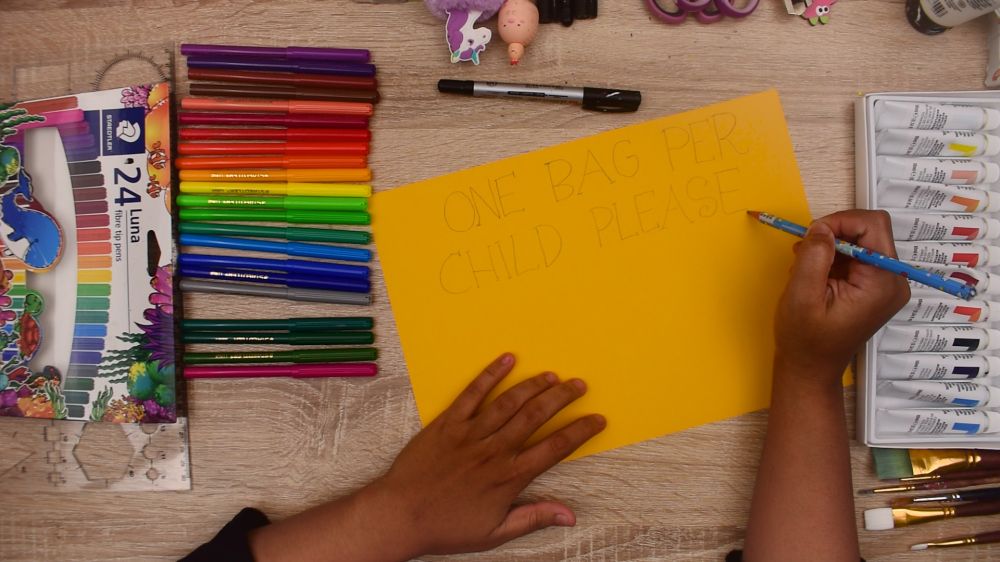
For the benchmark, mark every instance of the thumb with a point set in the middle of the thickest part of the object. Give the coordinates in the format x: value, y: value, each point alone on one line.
x: 526, y: 519
x: 813, y: 260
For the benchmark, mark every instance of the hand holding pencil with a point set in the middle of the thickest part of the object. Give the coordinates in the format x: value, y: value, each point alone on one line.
x: 832, y: 303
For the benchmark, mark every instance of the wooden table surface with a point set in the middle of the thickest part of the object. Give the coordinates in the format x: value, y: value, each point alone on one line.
x: 282, y: 446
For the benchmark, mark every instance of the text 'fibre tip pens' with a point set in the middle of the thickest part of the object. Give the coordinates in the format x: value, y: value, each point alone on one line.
x: 881, y: 261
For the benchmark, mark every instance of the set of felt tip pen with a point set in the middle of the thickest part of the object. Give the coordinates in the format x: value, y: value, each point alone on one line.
x: 308, y: 363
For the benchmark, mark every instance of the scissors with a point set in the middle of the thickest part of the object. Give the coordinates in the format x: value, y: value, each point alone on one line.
x: 705, y: 11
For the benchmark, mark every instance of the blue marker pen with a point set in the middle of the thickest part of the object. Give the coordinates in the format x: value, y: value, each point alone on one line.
x: 302, y: 267
x: 881, y: 261
x: 329, y: 283
x: 300, y: 249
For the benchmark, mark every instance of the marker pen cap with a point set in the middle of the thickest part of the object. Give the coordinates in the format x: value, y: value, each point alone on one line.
x: 992, y: 172
x: 992, y: 200
x: 992, y: 118
x: 992, y: 256
x: 992, y: 147
x: 994, y: 337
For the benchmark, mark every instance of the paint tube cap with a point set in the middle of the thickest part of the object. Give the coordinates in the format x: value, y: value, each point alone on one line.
x: 992, y: 200
x: 992, y: 225
x: 992, y: 119
x: 994, y: 337
x: 994, y: 365
x: 992, y: 173
x: 992, y: 145
x: 878, y: 519
x: 992, y: 256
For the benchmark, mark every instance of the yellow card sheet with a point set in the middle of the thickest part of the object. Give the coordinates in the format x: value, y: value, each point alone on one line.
x: 625, y: 258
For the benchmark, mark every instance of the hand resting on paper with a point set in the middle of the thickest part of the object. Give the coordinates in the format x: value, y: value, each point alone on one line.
x: 803, y: 504
x: 452, y: 488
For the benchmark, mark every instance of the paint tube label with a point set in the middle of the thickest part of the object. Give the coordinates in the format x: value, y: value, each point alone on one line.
x: 946, y: 253
x: 943, y: 311
x: 973, y: 277
x: 918, y: 115
x: 909, y: 142
x: 944, y: 394
x: 932, y: 366
x: 920, y: 196
x: 951, y: 171
x: 936, y: 422
x: 933, y: 339
x: 911, y: 226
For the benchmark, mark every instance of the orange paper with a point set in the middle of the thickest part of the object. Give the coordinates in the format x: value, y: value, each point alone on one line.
x: 626, y: 259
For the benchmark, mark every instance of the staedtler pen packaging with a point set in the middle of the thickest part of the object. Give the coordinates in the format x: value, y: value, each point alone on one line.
x: 86, y: 298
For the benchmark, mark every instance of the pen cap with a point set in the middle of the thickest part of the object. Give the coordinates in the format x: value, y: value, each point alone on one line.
x: 466, y: 87
x: 613, y: 101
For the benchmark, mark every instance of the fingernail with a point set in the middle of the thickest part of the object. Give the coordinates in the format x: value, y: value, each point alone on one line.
x: 551, y: 378
x: 506, y: 359
x: 580, y: 385
x: 602, y: 422
x: 563, y: 520
x: 819, y: 228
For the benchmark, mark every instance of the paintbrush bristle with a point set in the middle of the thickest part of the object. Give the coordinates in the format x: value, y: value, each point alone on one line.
x: 921, y: 546
x: 892, y: 463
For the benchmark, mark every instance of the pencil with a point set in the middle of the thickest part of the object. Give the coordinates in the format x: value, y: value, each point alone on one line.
x: 870, y: 257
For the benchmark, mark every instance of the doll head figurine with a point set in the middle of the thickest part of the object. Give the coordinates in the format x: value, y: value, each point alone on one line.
x: 518, y: 21
x: 465, y: 41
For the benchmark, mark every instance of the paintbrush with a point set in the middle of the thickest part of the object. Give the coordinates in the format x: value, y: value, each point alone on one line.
x: 885, y: 518
x: 961, y: 496
x: 981, y: 538
x: 943, y: 483
x: 902, y: 463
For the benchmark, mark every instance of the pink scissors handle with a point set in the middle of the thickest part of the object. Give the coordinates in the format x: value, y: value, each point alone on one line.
x: 710, y: 14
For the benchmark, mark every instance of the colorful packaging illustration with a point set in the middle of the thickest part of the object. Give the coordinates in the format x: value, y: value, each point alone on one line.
x: 86, y: 300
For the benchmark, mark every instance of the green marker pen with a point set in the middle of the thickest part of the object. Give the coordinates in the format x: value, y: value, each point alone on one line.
x: 279, y: 215
x: 292, y: 356
x: 290, y: 202
x: 297, y: 234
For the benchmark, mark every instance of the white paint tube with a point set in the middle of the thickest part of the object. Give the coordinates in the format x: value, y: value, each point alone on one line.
x: 919, y: 115
x: 936, y: 422
x: 937, y: 339
x: 947, y: 311
x: 934, y: 366
x: 944, y: 394
x: 952, y: 171
x: 919, y: 226
x: 922, y: 196
x: 909, y: 142
x: 949, y: 253
x: 984, y: 283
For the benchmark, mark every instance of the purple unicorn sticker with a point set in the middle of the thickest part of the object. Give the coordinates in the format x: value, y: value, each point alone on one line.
x: 465, y: 41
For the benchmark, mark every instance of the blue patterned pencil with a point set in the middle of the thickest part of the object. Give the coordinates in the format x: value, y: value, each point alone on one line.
x: 863, y: 255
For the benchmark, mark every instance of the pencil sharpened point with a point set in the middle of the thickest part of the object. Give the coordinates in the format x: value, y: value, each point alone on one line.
x: 921, y: 546
x: 754, y: 214
x: 865, y: 492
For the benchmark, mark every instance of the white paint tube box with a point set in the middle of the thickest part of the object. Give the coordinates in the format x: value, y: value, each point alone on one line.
x: 878, y: 154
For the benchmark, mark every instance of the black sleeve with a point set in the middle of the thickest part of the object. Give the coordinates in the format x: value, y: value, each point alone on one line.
x: 230, y: 544
x: 737, y: 556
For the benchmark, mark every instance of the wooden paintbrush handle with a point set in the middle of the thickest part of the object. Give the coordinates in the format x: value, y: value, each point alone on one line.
x: 984, y: 538
x: 978, y: 508
x: 991, y: 460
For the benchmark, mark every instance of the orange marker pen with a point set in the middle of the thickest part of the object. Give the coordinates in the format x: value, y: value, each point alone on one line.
x: 279, y: 106
x: 262, y: 176
x: 289, y: 148
x: 211, y: 163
